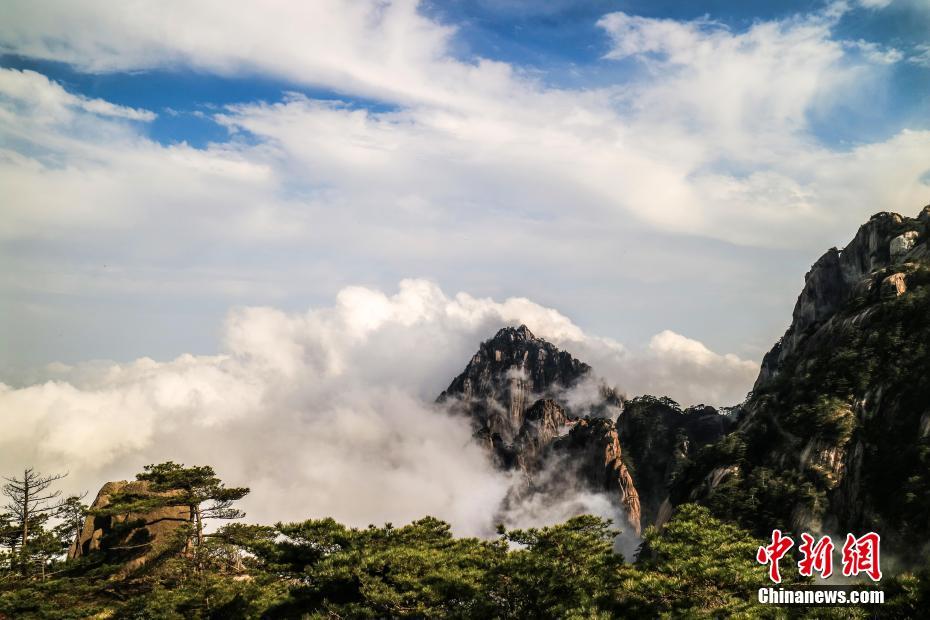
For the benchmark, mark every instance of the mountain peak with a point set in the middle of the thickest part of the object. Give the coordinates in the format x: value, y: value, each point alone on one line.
x: 511, y: 371
x: 887, y: 245
x: 511, y: 334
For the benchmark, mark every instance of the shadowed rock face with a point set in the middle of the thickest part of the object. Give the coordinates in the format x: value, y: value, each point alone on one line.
x: 593, y: 448
x: 658, y: 438
x: 835, y: 436
x: 134, y: 537
x: 886, y: 240
x: 509, y: 373
x: 543, y: 423
x: 512, y: 390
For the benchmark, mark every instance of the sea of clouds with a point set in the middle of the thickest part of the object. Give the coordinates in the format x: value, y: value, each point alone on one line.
x: 331, y: 412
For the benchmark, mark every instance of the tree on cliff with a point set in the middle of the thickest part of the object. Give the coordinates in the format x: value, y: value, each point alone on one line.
x: 31, y: 502
x: 196, y: 488
x: 71, y: 514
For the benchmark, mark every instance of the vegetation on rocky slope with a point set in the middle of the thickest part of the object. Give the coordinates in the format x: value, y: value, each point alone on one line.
x: 696, y: 566
x: 839, y: 438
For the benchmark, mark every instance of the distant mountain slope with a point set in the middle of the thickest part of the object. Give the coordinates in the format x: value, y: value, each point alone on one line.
x: 507, y: 375
x: 516, y: 389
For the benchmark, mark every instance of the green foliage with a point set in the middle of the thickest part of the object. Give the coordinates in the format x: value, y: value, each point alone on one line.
x: 562, y: 571
x: 907, y: 595
x: 194, y: 486
x: 696, y: 566
x: 699, y: 565
x: 419, y: 570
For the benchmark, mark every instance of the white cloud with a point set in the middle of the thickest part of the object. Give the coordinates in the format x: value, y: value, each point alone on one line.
x: 875, y: 4
x: 921, y: 57
x: 749, y: 88
x: 328, y: 412
x: 876, y: 53
x: 376, y: 48
x: 717, y: 117
x: 42, y: 98
x: 625, y: 202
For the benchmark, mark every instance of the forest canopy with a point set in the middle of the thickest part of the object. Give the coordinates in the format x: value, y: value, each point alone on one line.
x: 696, y: 565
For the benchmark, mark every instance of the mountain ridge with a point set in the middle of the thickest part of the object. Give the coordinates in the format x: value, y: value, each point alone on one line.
x: 797, y: 454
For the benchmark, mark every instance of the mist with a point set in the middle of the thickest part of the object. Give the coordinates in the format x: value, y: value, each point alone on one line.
x: 331, y: 412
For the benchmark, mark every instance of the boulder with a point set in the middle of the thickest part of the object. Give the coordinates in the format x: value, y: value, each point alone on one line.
x: 133, y: 538
x: 894, y: 286
x: 902, y: 244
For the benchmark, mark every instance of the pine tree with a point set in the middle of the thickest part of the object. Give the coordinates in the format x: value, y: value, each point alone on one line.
x: 31, y: 501
x: 196, y: 488
x: 71, y: 513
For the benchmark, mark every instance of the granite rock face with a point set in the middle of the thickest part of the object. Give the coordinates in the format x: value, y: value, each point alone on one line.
x: 593, y: 448
x: 837, y: 276
x: 134, y: 537
x: 658, y: 438
x: 509, y: 373
x: 835, y: 436
x: 543, y: 423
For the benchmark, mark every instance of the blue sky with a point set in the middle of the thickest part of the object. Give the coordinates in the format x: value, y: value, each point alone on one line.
x: 559, y: 42
x: 661, y: 232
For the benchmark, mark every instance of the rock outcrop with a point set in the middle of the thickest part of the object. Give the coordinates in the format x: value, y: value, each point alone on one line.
x: 593, y: 448
x: 509, y: 373
x: 658, y: 438
x: 836, y: 277
x: 133, y: 537
x: 834, y: 437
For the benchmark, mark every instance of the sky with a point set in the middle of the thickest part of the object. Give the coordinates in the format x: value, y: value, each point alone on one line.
x: 300, y: 219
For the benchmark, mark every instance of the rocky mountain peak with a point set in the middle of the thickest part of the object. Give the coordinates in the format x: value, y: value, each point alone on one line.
x: 513, y: 391
x: 507, y: 375
x: 834, y: 435
x: 887, y: 242
x: 511, y: 334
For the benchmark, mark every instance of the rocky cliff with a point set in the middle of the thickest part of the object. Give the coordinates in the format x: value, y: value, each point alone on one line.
x: 658, y: 438
x: 836, y: 434
x: 514, y: 391
x: 886, y: 240
x: 133, y: 537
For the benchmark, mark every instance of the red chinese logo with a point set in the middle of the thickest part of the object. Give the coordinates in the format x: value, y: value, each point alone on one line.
x: 860, y: 555
x: 773, y: 553
x: 817, y: 557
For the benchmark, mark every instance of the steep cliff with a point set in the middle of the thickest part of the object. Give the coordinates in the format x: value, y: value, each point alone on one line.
x: 506, y: 376
x: 836, y: 434
x: 592, y: 447
x: 658, y: 437
x: 887, y: 239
